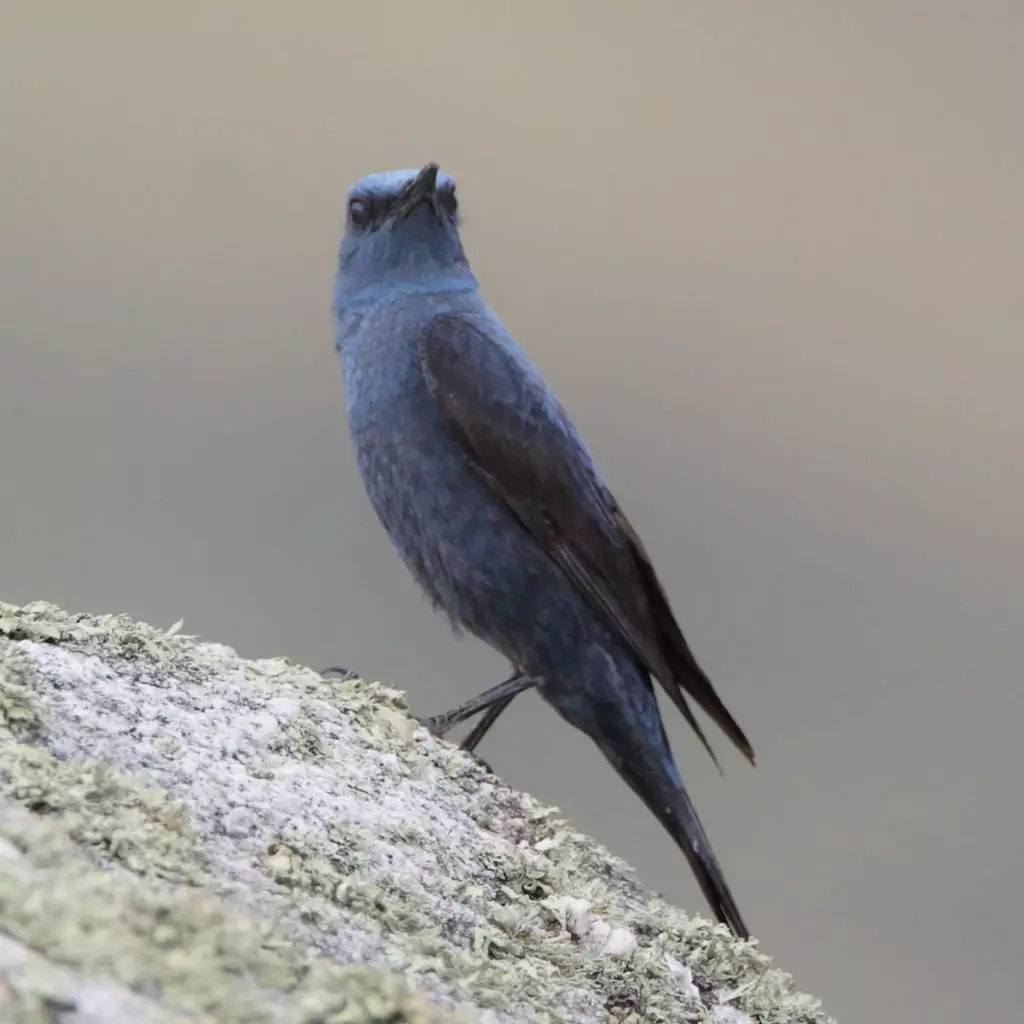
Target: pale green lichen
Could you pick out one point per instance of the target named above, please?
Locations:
(119, 816)
(405, 834)
(391, 903)
(21, 715)
(316, 867)
(367, 995)
(382, 717)
(302, 738)
(180, 945)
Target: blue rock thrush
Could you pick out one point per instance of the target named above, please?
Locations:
(495, 506)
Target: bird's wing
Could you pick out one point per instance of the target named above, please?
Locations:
(520, 441)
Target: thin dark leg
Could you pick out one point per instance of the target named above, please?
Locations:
(440, 724)
(494, 701)
(490, 716)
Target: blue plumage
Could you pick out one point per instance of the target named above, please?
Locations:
(490, 497)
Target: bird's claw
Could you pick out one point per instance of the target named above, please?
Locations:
(339, 672)
(436, 725)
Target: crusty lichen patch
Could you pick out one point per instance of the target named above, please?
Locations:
(177, 943)
(33, 990)
(271, 833)
(21, 715)
(117, 816)
(181, 946)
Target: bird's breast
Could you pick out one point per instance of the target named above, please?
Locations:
(461, 542)
(433, 505)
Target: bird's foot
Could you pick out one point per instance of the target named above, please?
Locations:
(339, 672)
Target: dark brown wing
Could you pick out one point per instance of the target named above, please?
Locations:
(521, 442)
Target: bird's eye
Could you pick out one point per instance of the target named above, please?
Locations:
(359, 212)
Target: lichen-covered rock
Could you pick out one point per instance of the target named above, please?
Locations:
(186, 835)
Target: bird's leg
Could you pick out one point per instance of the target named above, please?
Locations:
(493, 701)
(472, 739)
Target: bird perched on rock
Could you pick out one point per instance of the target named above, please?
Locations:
(494, 504)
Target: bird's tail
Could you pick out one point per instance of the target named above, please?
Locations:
(681, 821)
(652, 775)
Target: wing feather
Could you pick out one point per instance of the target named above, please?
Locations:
(523, 446)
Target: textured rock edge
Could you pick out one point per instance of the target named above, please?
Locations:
(163, 857)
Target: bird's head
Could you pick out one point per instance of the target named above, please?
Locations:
(401, 237)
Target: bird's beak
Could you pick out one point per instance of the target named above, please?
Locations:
(423, 188)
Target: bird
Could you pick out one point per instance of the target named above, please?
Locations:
(495, 505)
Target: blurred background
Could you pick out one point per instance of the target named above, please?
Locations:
(770, 257)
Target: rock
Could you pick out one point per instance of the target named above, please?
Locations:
(186, 834)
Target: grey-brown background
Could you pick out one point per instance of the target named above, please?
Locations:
(771, 259)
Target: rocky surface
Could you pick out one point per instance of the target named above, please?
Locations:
(187, 835)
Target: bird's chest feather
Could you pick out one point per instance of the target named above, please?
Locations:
(460, 541)
(432, 503)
